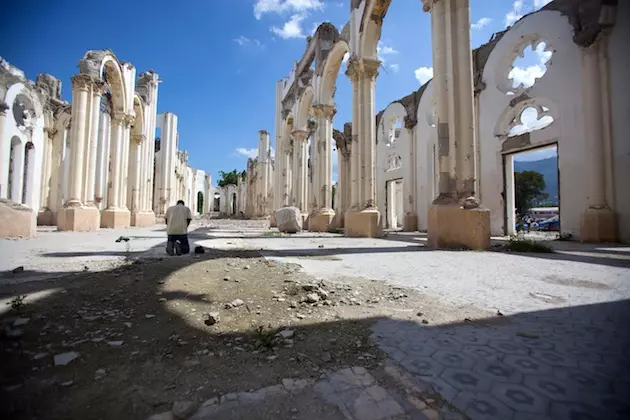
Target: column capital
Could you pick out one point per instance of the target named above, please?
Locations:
(427, 5)
(81, 81)
(138, 138)
(3, 108)
(99, 87)
(299, 135)
(322, 110)
(362, 67)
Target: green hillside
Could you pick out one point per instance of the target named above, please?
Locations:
(549, 169)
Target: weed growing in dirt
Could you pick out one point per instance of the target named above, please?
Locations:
(528, 245)
(272, 234)
(335, 230)
(264, 337)
(17, 303)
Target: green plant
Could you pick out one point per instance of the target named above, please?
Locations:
(272, 233)
(527, 245)
(264, 338)
(335, 230)
(17, 303)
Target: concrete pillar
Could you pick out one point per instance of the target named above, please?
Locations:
(410, 218)
(264, 163)
(456, 218)
(598, 222)
(287, 172)
(116, 215)
(4, 146)
(125, 193)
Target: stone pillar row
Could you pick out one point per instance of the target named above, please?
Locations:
(322, 168)
(300, 197)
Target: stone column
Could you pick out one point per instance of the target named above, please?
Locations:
(102, 160)
(456, 218)
(363, 219)
(74, 216)
(299, 169)
(95, 111)
(116, 214)
(135, 168)
(598, 223)
(323, 168)
(125, 197)
(410, 222)
(353, 72)
(3, 148)
(45, 216)
(288, 172)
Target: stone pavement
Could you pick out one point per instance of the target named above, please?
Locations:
(560, 364)
(562, 350)
(349, 394)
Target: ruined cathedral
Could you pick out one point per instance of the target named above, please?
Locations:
(92, 163)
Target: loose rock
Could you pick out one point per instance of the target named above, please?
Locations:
(236, 303)
(184, 409)
(65, 358)
(211, 318)
(312, 298)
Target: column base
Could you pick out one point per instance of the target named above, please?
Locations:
(78, 219)
(45, 217)
(410, 222)
(598, 226)
(363, 224)
(451, 226)
(321, 221)
(338, 220)
(142, 219)
(16, 220)
(304, 221)
(272, 220)
(115, 218)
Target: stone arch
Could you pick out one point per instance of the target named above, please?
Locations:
(330, 72)
(138, 107)
(371, 26)
(103, 65)
(304, 109)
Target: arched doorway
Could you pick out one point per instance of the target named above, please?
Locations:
(200, 202)
(233, 203)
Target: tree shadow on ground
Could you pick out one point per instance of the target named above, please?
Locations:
(585, 349)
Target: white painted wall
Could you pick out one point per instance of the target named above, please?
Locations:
(560, 89)
(426, 157)
(619, 60)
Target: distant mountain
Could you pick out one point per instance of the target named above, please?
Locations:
(549, 169)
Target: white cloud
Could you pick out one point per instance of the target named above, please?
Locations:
(243, 40)
(516, 13)
(394, 67)
(382, 50)
(526, 76)
(540, 3)
(530, 122)
(291, 29)
(281, 6)
(481, 23)
(424, 74)
(250, 153)
(346, 57)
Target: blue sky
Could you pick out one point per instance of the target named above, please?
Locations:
(219, 59)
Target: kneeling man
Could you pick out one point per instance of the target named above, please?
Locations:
(177, 218)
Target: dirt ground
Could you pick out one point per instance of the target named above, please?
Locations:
(142, 337)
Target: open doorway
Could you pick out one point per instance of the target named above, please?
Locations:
(199, 202)
(394, 204)
(532, 191)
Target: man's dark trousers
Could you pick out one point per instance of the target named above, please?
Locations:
(183, 240)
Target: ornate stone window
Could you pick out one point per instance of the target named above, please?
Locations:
(523, 65)
(526, 116)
